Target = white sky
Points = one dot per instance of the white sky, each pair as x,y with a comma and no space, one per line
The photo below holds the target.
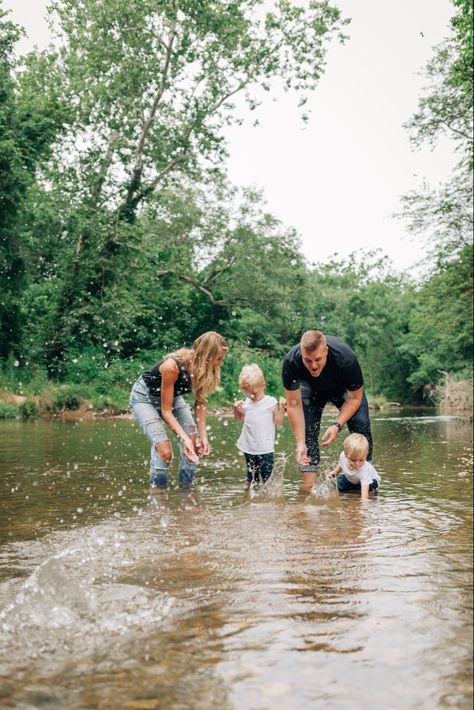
338,179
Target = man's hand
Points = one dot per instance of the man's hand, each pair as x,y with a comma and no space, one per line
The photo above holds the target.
302,457
329,436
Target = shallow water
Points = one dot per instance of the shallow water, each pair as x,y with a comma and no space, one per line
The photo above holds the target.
219,598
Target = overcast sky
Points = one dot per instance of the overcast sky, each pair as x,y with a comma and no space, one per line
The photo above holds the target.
338,179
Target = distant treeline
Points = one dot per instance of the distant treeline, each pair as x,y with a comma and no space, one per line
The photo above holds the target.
121,238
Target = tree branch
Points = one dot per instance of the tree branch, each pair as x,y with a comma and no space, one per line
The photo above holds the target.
212,276
456,130
97,188
196,284
95,194
138,162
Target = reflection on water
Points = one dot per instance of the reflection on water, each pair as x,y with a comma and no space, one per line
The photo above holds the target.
216,597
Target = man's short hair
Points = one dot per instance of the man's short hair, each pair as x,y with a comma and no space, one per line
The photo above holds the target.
312,340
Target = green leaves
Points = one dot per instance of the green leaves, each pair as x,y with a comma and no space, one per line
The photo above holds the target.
440,326
150,84
439,336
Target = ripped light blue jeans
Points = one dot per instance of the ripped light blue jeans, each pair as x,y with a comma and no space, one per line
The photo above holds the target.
147,410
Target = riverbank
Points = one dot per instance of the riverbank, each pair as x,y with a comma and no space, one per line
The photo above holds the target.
66,403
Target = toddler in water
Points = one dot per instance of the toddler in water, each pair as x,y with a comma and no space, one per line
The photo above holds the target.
260,414
354,472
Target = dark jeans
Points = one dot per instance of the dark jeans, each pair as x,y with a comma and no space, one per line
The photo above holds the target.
345,486
259,465
313,405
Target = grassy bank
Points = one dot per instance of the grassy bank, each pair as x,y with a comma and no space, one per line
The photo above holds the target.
92,383
93,386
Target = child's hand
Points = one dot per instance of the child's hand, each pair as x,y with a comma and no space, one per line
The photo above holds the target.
279,412
238,413
335,472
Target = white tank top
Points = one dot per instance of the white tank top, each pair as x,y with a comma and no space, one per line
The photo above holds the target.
258,430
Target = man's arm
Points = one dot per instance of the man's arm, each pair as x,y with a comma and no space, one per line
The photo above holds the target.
294,409
349,408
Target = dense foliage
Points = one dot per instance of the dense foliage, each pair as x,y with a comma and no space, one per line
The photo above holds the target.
120,237
439,337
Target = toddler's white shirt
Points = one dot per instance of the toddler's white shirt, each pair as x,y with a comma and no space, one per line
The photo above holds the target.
364,475
258,430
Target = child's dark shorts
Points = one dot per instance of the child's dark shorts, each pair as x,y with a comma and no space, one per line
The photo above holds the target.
345,486
259,465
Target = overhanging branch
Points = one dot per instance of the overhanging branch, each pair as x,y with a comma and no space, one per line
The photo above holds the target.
197,284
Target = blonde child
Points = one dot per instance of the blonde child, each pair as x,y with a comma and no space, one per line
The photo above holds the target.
354,472
260,414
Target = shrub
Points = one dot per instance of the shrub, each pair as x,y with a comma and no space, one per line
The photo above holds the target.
29,410
8,411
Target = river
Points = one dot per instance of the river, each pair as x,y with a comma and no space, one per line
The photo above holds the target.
212,598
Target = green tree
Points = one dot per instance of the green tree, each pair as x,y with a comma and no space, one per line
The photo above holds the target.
440,326
150,85
443,216
361,301
29,122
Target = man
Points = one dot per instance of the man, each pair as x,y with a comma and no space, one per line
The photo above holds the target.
316,371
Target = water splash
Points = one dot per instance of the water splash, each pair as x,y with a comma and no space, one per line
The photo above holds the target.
324,487
75,595
272,489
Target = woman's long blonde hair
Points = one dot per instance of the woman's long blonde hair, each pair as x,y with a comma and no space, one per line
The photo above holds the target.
206,375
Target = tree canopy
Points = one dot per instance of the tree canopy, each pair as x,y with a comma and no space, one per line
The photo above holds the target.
121,236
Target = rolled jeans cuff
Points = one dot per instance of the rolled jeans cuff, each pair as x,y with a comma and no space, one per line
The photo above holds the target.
312,468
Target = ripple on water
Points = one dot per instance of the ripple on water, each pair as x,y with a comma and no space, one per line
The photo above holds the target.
203,598
74,602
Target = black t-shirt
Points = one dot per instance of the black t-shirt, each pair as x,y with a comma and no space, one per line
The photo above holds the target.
341,372
152,378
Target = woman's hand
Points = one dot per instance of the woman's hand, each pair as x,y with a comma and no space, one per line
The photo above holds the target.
189,450
202,446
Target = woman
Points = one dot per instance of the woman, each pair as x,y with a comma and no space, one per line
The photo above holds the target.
156,397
